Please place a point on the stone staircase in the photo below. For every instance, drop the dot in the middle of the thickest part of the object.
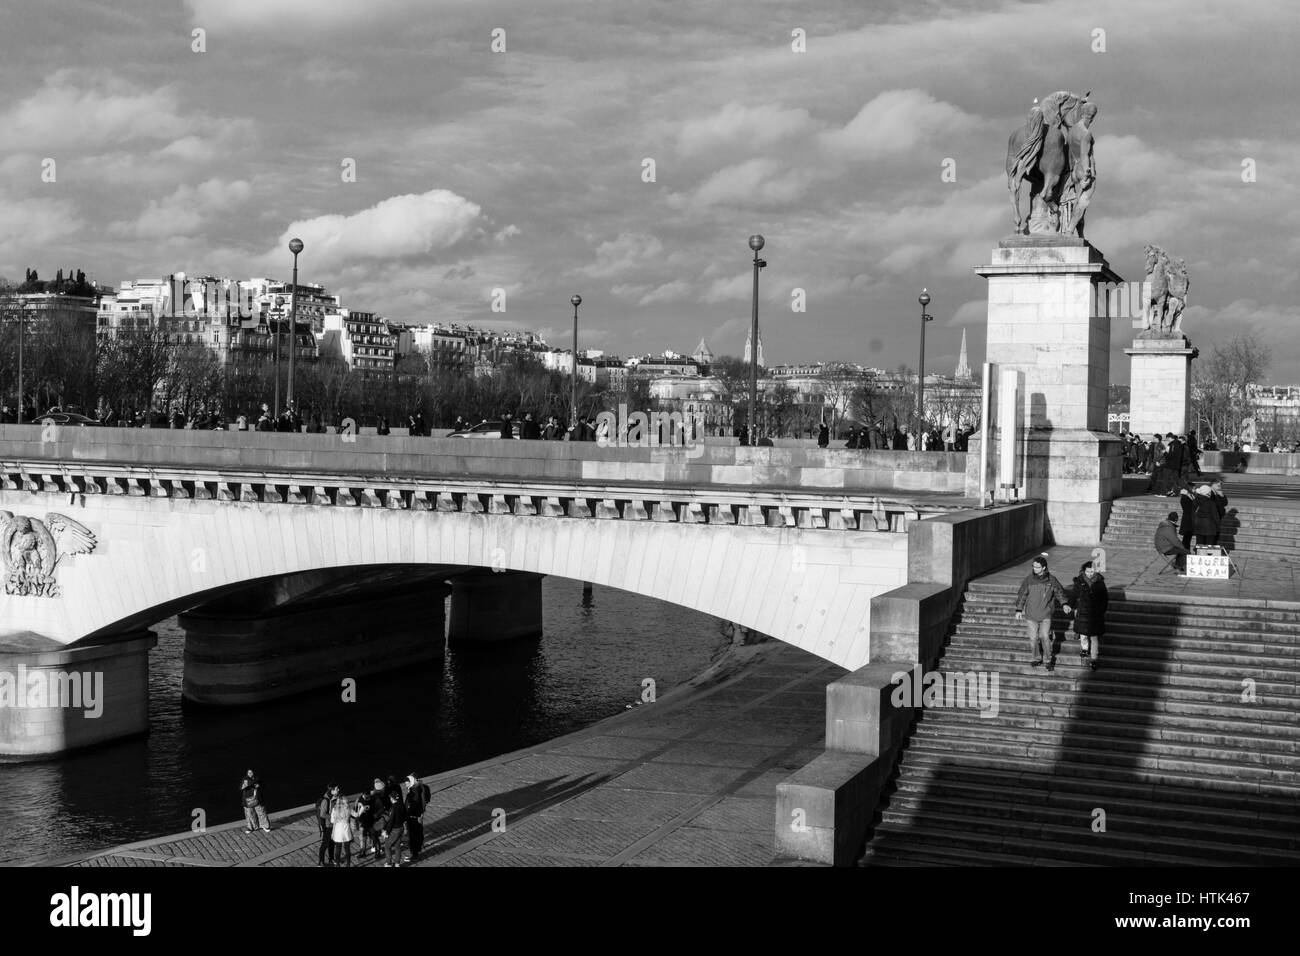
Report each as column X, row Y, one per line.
column 1253, row 529
column 1159, row 738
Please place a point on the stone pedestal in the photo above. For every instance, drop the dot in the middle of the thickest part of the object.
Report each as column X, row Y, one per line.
column 235, row 659
column 1160, row 384
column 1043, row 325
column 495, row 606
column 62, row 699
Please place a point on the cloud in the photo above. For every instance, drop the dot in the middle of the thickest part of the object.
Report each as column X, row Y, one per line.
column 757, row 182
column 624, row 255
column 398, row 227
column 187, row 211
column 729, row 290
column 31, row 223
column 301, row 14
column 737, row 127
column 76, row 109
column 674, row 291
column 896, row 123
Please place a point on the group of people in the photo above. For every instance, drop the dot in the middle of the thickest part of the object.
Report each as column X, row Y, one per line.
column 1169, row 459
column 387, row 820
column 1203, row 510
column 878, row 436
column 1036, row 601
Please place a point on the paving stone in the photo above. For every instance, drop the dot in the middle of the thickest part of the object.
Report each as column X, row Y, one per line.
column 743, row 814
column 554, row 834
column 717, row 753
column 619, row 748
column 678, row 778
column 695, row 846
column 605, row 803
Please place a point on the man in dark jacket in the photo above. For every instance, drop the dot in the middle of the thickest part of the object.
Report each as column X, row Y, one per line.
column 823, row 435
column 507, row 426
column 1090, row 601
column 531, row 430
column 1035, row 602
column 552, row 431
column 392, row 828
column 417, row 798
column 1187, row 524
column 1207, row 517
column 1167, row 542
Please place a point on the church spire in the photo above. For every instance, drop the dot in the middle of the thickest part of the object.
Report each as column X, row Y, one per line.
column 963, row 368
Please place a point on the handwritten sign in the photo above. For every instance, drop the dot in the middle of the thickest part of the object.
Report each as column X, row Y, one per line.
column 1207, row 566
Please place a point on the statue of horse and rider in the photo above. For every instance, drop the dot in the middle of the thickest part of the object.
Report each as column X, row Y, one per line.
column 1167, row 286
column 1052, row 152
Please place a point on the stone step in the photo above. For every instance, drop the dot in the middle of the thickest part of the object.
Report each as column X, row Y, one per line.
column 1066, row 702
column 988, row 642
column 1149, row 768
column 1226, row 750
column 970, row 829
column 1018, row 708
column 1149, row 643
column 1032, row 850
column 1237, row 736
column 1247, row 622
column 989, row 787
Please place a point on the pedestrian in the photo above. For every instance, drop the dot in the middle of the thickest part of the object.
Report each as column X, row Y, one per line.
column 372, row 816
column 1220, row 500
column 417, row 799
column 383, row 428
column 1193, row 454
column 326, row 827
column 393, row 828
column 1208, row 520
column 531, row 431
column 507, row 426
column 950, row 437
column 552, row 431
column 1187, row 524
column 823, row 435
column 340, row 822
column 362, row 820
column 250, row 791
column 1035, row 603
column 1090, row 601
column 1167, row 543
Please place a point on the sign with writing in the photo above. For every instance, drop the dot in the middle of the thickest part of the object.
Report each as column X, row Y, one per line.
column 1207, row 566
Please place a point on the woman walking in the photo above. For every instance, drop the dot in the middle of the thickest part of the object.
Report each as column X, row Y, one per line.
column 1090, row 601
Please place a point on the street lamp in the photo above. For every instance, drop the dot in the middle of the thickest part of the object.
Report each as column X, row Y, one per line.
column 573, row 385
column 756, row 243
column 22, row 321
column 279, row 313
column 295, row 246
column 924, row 299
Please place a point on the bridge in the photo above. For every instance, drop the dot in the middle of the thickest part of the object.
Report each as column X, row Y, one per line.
column 300, row 558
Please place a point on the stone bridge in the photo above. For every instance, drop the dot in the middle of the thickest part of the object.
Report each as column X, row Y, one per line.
column 297, row 558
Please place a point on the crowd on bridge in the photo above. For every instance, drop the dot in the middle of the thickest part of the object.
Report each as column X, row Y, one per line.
column 877, row 436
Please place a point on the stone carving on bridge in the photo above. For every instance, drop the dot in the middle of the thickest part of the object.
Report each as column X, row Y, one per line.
column 1052, row 152
column 1167, row 296
column 30, row 551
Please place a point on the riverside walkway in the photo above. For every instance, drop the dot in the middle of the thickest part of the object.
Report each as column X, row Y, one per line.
column 687, row 780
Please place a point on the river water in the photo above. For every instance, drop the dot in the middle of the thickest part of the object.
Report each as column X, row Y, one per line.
column 476, row 704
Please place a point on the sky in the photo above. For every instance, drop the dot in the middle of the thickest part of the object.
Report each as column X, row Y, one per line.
column 525, row 168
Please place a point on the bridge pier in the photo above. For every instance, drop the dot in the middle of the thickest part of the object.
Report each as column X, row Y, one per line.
column 495, row 606
column 55, row 700
column 233, row 659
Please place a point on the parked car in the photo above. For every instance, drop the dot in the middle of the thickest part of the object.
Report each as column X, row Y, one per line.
column 66, row 418
column 485, row 430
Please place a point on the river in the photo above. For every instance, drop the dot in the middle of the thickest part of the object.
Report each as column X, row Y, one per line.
column 476, row 704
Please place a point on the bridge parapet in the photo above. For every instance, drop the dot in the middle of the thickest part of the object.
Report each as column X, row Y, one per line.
column 590, row 500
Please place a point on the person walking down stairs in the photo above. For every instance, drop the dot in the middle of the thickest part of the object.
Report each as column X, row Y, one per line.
column 1039, row 593
column 1090, row 601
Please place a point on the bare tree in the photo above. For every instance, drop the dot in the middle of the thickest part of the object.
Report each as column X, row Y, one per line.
column 1221, row 385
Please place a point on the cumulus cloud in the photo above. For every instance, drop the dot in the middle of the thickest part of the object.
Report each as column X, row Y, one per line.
column 741, row 127
column 398, row 227
column 75, row 109
column 303, row 14
column 187, row 211
column 895, row 123
column 626, row 254
column 757, row 182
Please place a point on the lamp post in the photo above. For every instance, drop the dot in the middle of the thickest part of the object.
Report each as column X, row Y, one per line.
column 22, row 321
column 924, row 299
column 756, row 243
column 295, row 246
column 573, row 384
column 279, row 313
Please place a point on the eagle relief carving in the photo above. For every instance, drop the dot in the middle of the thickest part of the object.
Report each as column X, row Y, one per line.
column 30, row 551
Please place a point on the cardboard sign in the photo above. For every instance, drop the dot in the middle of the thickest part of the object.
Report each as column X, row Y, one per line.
column 1207, row 566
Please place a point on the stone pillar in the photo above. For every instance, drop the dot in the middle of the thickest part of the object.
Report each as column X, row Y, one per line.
column 54, row 700
column 495, row 606
column 1047, row 323
column 1160, row 391
column 233, row 659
